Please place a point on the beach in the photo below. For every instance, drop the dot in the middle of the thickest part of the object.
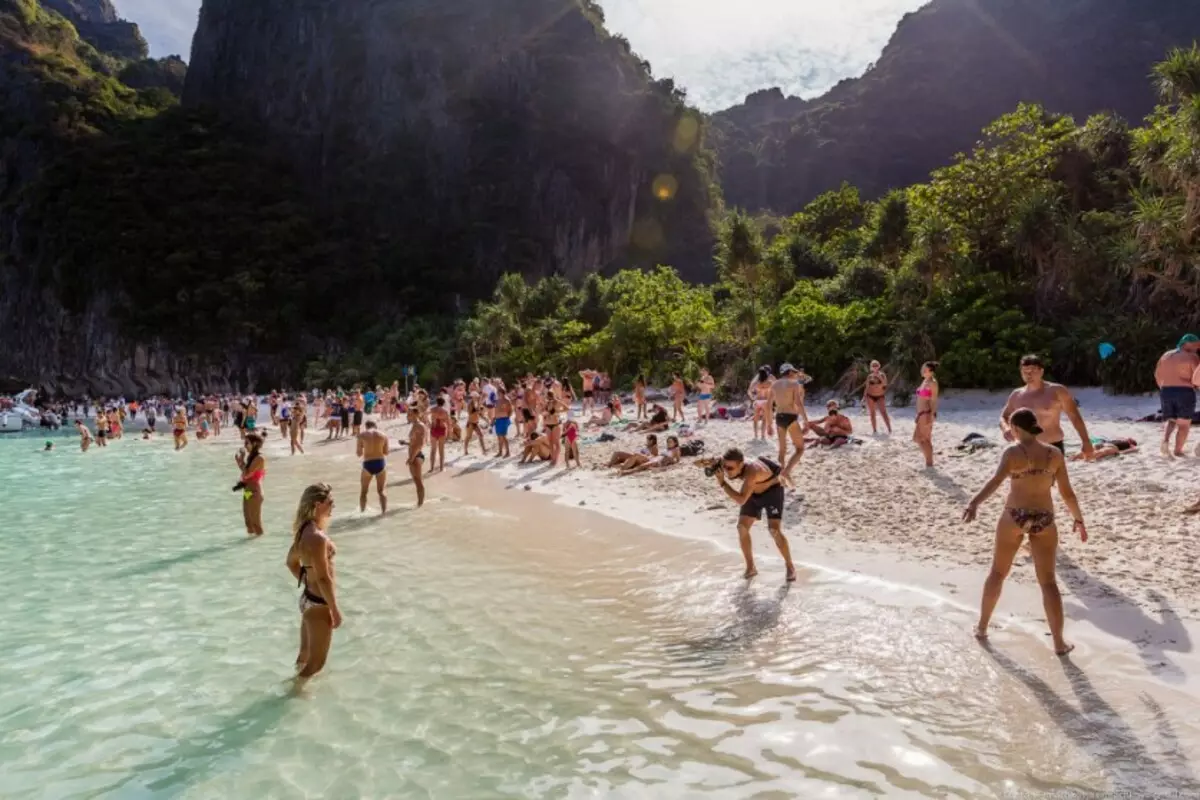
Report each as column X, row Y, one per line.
column 570, row 634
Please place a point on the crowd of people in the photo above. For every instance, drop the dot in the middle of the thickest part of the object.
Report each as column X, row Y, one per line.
column 548, row 420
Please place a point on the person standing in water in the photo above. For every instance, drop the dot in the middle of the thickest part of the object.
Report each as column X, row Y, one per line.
column 1175, row 375
column 1049, row 401
column 761, row 490
column 373, row 450
column 416, row 454
column 253, row 465
column 179, row 430
column 927, row 406
column 85, row 436
column 1033, row 468
column 788, row 395
column 474, row 425
column 310, row 560
column 875, row 396
column 299, row 422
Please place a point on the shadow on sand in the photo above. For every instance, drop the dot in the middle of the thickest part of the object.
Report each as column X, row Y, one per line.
column 1119, row 615
column 753, row 616
column 947, row 486
column 1097, row 729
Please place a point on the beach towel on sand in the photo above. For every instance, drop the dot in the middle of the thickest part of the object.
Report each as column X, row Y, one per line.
column 693, row 447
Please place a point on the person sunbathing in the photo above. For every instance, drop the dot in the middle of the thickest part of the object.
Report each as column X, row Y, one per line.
column 668, row 459
column 624, row 460
column 1107, row 448
column 658, row 421
column 832, row 430
column 604, row 417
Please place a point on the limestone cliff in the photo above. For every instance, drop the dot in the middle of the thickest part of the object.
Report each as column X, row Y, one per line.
column 488, row 135
column 950, row 69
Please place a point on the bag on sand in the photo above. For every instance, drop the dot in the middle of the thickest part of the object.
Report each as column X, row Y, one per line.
column 692, row 448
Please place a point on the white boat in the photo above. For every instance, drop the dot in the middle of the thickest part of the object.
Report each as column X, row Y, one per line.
column 18, row 415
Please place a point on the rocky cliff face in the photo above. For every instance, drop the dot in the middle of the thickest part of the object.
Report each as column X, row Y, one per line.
column 503, row 134
column 100, row 26
column 949, row 70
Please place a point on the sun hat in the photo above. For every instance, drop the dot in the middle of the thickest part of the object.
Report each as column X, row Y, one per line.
column 785, row 368
column 1187, row 338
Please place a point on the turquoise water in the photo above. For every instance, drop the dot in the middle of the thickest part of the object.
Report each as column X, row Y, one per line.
column 514, row 652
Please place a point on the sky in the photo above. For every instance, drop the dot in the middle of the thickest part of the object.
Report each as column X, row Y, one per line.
column 719, row 50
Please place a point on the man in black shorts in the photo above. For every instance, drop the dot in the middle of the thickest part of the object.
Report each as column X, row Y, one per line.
column 760, row 490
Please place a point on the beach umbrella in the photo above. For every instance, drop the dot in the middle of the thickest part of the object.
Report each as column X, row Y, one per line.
column 1106, row 350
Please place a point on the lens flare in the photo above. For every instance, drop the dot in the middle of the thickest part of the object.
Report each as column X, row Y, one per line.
column 665, row 187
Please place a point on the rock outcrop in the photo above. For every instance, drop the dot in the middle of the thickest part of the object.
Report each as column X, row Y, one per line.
column 950, row 69
column 499, row 135
column 100, row 26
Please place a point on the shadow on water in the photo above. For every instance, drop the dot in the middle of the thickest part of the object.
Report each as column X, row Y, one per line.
column 187, row 557
column 1118, row 614
column 1098, row 730
column 753, row 616
column 198, row 758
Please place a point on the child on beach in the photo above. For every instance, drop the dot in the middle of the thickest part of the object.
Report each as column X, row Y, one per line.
column 571, row 448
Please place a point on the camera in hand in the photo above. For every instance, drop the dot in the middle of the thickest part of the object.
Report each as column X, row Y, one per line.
column 711, row 470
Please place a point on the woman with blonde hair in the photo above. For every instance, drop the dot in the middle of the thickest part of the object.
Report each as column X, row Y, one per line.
column 310, row 560
column 875, row 396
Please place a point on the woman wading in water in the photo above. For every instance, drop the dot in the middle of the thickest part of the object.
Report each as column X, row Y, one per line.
column 310, row 560
column 1033, row 468
column 254, row 468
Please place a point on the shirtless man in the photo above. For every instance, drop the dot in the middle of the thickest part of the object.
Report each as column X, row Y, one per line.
column 760, row 490
column 85, row 436
column 503, row 418
column 1175, row 375
column 373, row 450
column 588, row 377
column 416, row 455
column 788, row 394
column 1049, row 401
column 833, row 430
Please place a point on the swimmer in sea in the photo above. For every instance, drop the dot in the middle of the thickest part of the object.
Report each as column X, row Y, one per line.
column 373, row 450
column 416, row 455
column 1034, row 468
column 310, row 560
column 253, row 466
column 85, row 436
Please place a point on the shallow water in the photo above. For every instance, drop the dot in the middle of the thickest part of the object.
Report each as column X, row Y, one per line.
column 522, row 651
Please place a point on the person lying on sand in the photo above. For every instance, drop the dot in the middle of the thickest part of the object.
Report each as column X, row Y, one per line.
column 1107, row 448
column 624, row 460
column 658, row 421
column 1032, row 468
column 833, row 430
column 669, row 459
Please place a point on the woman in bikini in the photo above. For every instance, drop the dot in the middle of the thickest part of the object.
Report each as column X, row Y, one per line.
column 179, row 428
column 639, row 396
column 705, row 387
column 927, row 406
column 310, row 560
column 1034, row 468
column 439, row 430
column 253, row 465
column 474, row 410
column 299, row 423
column 760, row 393
column 875, row 396
column 550, row 422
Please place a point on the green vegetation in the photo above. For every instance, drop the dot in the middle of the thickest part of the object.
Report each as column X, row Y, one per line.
column 1049, row 237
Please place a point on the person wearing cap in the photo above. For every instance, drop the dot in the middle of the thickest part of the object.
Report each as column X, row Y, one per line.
column 1049, row 401
column 834, row 429
column 788, row 395
column 1033, row 468
column 1176, row 375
